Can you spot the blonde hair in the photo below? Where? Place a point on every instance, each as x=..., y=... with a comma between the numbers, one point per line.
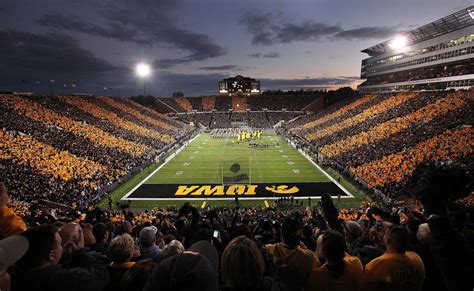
x=121, y=248
x=174, y=247
x=242, y=264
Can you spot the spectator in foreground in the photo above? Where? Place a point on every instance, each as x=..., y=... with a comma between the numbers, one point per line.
x=294, y=261
x=72, y=242
x=120, y=252
x=183, y=272
x=136, y=276
x=340, y=272
x=101, y=235
x=148, y=247
x=308, y=237
x=11, y=250
x=39, y=270
x=397, y=269
x=10, y=223
x=174, y=247
x=243, y=266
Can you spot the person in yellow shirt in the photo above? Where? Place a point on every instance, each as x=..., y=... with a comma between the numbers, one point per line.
x=293, y=260
x=397, y=269
x=340, y=272
x=10, y=223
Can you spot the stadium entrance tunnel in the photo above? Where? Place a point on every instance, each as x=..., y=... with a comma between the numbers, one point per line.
x=244, y=191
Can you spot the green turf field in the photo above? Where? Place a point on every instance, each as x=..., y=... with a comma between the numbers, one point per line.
x=208, y=160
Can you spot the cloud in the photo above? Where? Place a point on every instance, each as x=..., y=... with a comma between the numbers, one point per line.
x=116, y=31
x=271, y=28
x=265, y=55
x=54, y=52
x=29, y=56
x=143, y=23
x=369, y=32
x=305, y=31
x=272, y=55
x=220, y=68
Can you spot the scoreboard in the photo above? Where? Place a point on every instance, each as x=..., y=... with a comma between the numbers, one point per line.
x=239, y=85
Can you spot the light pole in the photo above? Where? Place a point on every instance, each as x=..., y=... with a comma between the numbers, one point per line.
x=143, y=71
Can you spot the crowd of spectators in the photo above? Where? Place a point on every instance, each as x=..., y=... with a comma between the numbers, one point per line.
x=278, y=102
x=184, y=103
x=208, y=103
x=274, y=101
x=257, y=119
x=220, y=120
x=73, y=149
x=239, y=103
x=179, y=104
x=319, y=247
x=382, y=138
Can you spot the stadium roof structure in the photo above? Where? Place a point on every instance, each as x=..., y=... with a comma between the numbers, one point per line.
x=458, y=20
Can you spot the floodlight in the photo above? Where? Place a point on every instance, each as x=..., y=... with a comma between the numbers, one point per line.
x=398, y=42
x=143, y=70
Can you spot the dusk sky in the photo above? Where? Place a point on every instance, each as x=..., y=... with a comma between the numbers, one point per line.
x=193, y=44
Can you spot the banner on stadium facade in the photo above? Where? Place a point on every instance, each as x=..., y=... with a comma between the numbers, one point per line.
x=244, y=191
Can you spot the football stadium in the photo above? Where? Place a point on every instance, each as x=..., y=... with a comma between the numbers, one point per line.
x=112, y=178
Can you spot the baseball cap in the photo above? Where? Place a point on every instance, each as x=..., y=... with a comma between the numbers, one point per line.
x=12, y=249
x=147, y=235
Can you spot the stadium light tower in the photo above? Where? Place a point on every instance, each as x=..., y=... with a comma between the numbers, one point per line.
x=143, y=71
x=399, y=42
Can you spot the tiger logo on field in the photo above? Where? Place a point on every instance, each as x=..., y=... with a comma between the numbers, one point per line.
x=282, y=189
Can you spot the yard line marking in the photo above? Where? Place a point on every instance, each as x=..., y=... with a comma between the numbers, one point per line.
x=326, y=174
x=157, y=169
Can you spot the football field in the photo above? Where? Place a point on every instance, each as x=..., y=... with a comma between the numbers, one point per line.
x=221, y=168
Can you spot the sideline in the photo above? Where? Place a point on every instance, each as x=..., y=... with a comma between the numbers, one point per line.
x=157, y=169
x=349, y=195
